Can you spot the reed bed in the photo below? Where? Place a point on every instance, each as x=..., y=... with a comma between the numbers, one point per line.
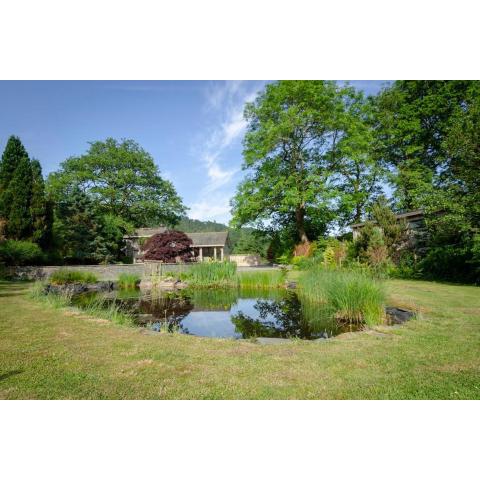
x=261, y=279
x=62, y=277
x=352, y=297
x=211, y=274
x=128, y=281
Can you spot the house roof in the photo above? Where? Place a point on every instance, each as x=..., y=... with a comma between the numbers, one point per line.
x=406, y=215
x=199, y=239
x=208, y=239
x=148, y=232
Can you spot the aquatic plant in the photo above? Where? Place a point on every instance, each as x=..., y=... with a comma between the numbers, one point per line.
x=103, y=307
x=208, y=274
x=350, y=296
x=261, y=279
x=62, y=277
x=128, y=280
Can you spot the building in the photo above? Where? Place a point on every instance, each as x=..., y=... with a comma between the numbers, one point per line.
x=206, y=245
x=415, y=224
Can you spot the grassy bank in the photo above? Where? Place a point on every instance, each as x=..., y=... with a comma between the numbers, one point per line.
x=51, y=353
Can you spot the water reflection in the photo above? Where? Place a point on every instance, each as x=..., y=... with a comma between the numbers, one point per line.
x=229, y=313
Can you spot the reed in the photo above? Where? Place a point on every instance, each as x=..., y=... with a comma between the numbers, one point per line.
x=128, y=281
x=211, y=274
x=352, y=297
x=62, y=277
x=265, y=279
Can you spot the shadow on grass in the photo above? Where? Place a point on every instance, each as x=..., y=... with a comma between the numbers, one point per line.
x=11, y=373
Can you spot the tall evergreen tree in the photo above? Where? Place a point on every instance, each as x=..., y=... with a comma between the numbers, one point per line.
x=39, y=208
x=19, y=192
x=13, y=153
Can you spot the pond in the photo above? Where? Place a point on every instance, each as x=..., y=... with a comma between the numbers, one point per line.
x=228, y=313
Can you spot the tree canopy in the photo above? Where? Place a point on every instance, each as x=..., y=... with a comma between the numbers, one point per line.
x=123, y=180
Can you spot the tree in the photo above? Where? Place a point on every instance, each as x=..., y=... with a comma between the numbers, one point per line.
x=41, y=210
x=123, y=180
x=76, y=227
x=19, y=192
x=290, y=129
x=356, y=173
x=11, y=157
x=169, y=247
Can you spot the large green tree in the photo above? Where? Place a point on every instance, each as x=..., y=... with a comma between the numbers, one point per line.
x=355, y=171
x=41, y=210
x=289, y=132
x=123, y=180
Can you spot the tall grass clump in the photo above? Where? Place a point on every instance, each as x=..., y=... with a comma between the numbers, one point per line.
x=351, y=297
x=62, y=277
x=128, y=280
x=261, y=279
x=209, y=274
x=100, y=307
x=54, y=300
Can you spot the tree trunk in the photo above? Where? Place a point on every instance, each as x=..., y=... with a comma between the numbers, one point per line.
x=300, y=223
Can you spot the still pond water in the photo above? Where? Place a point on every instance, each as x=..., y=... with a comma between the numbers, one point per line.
x=229, y=313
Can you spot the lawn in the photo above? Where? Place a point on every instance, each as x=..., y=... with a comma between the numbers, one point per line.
x=47, y=353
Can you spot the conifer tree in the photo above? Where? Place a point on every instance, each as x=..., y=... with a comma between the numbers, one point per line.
x=19, y=192
x=41, y=220
x=13, y=153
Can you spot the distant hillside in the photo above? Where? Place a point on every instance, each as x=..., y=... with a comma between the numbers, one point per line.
x=189, y=225
x=242, y=240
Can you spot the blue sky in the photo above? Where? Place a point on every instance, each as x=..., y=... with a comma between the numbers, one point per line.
x=192, y=129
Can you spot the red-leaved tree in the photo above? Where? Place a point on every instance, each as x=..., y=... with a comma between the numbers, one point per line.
x=169, y=247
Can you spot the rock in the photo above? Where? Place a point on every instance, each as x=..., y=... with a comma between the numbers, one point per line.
x=397, y=316
x=78, y=288
x=273, y=341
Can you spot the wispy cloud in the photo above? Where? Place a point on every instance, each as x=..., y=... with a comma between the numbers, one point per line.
x=225, y=103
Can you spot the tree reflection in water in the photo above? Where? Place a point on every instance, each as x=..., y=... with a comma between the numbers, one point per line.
x=286, y=317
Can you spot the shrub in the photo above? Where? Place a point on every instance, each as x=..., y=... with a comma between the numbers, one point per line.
x=169, y=247
x=211, y=274
x=128, y=280
x=352, y=297
x=20, y=252
x=61, y=277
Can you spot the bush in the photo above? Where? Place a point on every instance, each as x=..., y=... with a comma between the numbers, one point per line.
x=20, y=252
x=169, y=247
x=353, y=297
x=128, y=280
x=61, y=277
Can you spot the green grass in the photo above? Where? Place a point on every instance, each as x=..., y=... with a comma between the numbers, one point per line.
x=210, y=274
x=99, y=307
x=53, y=353
x=261, y=279
x=128, y=280
x=61, y=277
x=352, y=297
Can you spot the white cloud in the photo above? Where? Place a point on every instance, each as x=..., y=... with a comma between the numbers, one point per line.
x=225, y=104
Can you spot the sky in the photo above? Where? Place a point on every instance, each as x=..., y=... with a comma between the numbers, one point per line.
x=193, y=129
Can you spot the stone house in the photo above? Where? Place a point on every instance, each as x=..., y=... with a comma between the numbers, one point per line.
x=414, y=220
x=206, y=245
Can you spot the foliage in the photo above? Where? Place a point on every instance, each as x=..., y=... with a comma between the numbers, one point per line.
x=169, y=247
x=261, y=279
x=63, y=276
x=355, y=171
x=289, y=126
x=76, y=227
x=211, y=274
x=41, y=209
x=20, y=252
x=123, y=180
x=352, y=296
x=128, y=280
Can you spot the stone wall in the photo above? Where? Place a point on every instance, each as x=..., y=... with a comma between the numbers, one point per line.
x=246, y=260
x=103, y=272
